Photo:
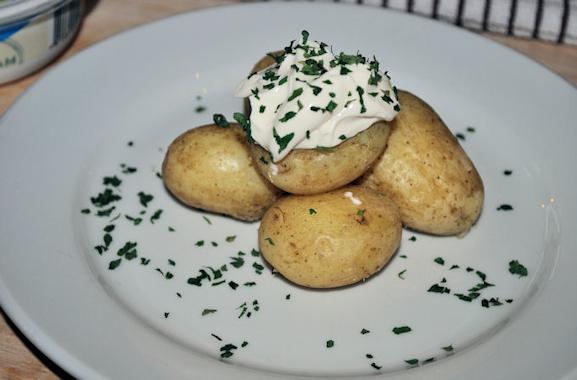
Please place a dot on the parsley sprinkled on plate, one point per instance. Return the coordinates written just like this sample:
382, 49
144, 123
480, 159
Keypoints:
515, 267
401, 330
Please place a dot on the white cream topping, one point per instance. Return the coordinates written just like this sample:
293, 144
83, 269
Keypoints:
311, 98
356, 201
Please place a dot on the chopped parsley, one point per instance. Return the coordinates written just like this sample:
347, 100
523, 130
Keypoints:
220, 120
505, 207
515, 267
155, 216
208, 311
295, 94
144, 198
401, 330
330, 343
284, 140
113, 181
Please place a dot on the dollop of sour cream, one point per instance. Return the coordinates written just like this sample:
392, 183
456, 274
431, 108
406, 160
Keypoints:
311, 98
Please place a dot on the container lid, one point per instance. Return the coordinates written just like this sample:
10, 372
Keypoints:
13, 10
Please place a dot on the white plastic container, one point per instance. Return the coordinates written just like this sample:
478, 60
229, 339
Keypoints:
33, 32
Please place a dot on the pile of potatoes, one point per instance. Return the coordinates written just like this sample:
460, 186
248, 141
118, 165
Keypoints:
333, 218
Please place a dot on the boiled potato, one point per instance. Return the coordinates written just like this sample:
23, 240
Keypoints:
210, 168
313, 171
426, 172
332, 239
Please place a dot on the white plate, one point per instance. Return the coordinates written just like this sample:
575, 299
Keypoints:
72, 128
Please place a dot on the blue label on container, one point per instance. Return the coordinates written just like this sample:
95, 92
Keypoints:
7, 32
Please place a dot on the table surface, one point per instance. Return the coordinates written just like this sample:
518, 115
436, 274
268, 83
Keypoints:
18, 358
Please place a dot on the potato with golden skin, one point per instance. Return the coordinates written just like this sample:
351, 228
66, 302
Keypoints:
210, 168
313, 171
332, 239
426, 173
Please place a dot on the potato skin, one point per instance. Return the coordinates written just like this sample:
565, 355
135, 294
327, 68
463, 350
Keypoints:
321, 241
426, 172
314, 171
210, 168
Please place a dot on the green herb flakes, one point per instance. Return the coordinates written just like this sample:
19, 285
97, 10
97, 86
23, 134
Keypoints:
128, 251
85, 211
237, 262
505, 207
220, 120
199, 243
295, 94
284, 140
258, 268
113, 181
127, 169
401, 330
330, 343
365, 331
269, 240
135, 221
331, 107
206, 220
439, 260
244, 123
289, 115
114, 264
413, 238
230, 239
436, 288
105, 198
401, 274
155, 216
515, 267
144, 198
412, 362
233, 285
200, 109
227, 350
312, 211
507, 172
208, 311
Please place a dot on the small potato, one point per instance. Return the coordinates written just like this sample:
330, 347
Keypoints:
332, 239
426, 172
210, 167
313, 171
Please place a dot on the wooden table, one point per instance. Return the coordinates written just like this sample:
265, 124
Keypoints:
18, 358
